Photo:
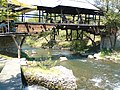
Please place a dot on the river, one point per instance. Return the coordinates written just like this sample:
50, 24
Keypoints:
90, 74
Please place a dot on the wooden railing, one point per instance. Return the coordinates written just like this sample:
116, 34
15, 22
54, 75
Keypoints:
33, 27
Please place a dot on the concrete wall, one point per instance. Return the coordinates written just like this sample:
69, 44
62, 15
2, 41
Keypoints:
105, 41
7, 44
118, 40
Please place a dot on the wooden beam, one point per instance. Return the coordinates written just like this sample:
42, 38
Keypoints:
26, 25
23, 39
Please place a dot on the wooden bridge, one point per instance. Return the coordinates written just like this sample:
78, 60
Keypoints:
27, 29
75, 17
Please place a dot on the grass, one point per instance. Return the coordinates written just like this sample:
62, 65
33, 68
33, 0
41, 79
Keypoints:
38, 69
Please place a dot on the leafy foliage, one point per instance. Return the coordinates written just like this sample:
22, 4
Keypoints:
105, 52
6, 11
111, 9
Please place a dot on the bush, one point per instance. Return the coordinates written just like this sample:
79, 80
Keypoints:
105, 52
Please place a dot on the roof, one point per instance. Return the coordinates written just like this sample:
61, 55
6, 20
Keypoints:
55, 6
79, 4
54, 3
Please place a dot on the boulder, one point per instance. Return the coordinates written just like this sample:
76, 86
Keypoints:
90, 56
62, 79
63, 59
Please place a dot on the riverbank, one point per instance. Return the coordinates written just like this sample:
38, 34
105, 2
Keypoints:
106, 56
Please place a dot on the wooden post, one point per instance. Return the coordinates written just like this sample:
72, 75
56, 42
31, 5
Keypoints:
99, 20
19, 52
77, 35
54, 33
73, 18
39, 16
18, 45
71, 35
88, 19
43, 19
95, 19
22, 17
66, 34
61, 16
55, 17
85, 19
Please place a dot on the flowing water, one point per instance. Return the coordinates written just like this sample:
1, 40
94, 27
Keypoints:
90, 74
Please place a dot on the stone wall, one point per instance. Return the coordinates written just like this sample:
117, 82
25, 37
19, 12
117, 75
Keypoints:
7, 44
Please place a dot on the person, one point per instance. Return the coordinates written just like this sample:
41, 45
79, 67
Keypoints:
64, 19
80, 21
12, 26
3, 26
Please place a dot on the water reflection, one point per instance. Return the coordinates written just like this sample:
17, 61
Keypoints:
90, 74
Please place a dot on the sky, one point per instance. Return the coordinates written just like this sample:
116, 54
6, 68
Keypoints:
46, 1
91, 1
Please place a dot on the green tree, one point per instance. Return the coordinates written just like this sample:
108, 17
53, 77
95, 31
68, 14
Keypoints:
6, 10
111, 9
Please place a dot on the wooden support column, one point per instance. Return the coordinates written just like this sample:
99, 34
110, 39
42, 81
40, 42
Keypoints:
79, 34
88, 19
58, 31
39, 16
85, 19
42, 16
55, 18
66, 34
54, 32
61, 16
99, 20
73, 19
95, 19
71, 35
22, 17
18, 45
